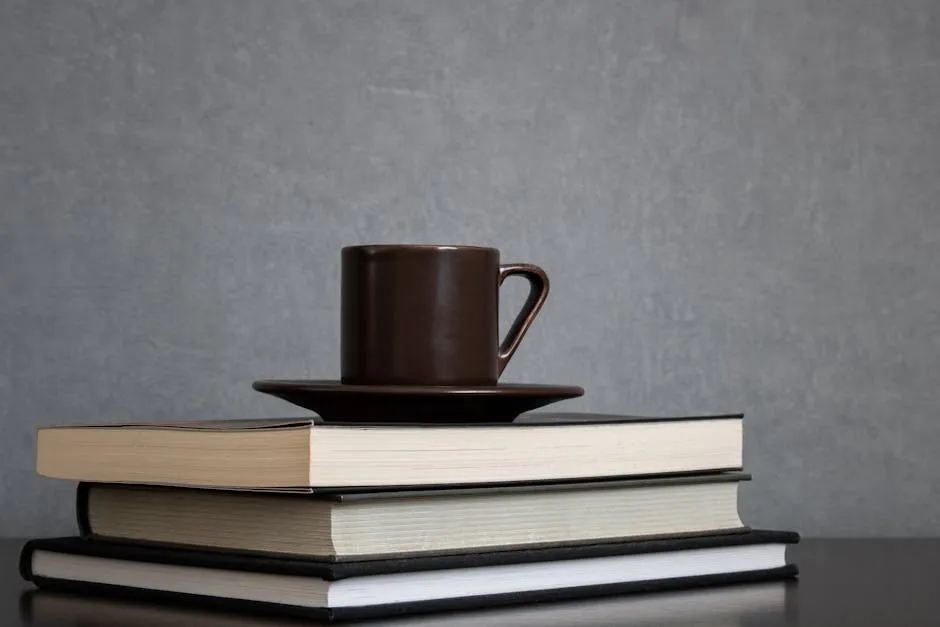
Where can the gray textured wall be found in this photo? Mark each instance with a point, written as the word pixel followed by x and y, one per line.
pixel 737 203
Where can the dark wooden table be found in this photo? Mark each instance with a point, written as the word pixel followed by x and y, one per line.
pixel 842 583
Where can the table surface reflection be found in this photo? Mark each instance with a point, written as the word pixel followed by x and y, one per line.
pixel 842 582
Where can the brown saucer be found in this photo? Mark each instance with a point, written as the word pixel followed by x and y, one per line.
pixel 336 402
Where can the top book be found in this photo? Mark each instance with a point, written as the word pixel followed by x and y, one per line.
pixel 307 454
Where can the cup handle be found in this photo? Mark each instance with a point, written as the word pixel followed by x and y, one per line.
pixel 538 291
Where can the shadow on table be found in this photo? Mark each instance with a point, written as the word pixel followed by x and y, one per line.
pixel 764 604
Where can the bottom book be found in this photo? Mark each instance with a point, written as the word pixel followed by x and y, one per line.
pixel 389 587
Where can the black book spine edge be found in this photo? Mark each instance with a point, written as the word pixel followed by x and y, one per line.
pixel 359 493
pixel 340 560
pixel 557 486
pixel 81 509
pixel 534 420
pixel 417 607
pixel 25 565
pixel 332 571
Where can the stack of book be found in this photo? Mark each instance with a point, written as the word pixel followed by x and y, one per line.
pixel 345 521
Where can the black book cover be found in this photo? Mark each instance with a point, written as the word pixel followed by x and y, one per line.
pixel 328 570
pixel 335 571
pixel 427 490
pixel 527 420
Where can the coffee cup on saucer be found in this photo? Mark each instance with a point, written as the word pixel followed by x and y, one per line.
pixel 420 339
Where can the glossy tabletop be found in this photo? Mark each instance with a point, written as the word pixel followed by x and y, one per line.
pixel 841 582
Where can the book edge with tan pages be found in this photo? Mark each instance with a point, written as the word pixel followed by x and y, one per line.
pixel 328 455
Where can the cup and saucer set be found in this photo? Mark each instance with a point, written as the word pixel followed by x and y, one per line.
pixel 420 340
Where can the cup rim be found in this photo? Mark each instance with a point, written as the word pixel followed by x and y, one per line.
pixel 436 247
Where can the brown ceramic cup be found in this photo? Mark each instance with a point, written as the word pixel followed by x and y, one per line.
pixel 429 315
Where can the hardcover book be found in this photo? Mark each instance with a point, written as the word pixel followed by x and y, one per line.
pixel 306 453
pixel 348 524
pixel 372 588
